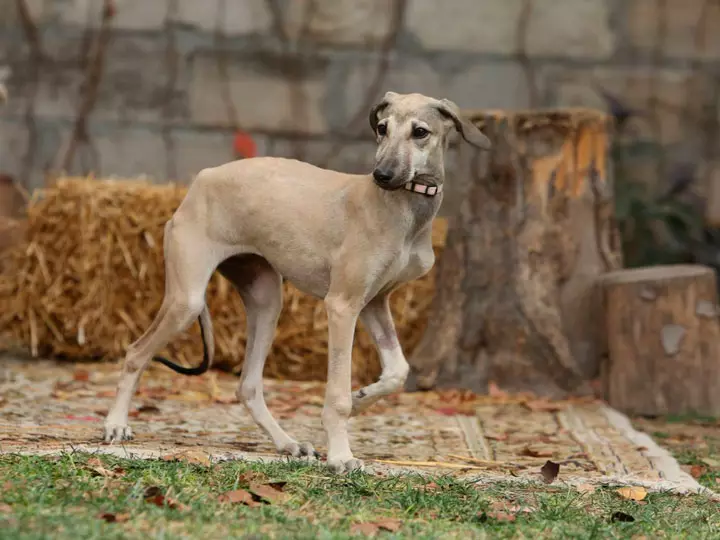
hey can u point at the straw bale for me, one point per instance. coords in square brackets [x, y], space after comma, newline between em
[89, 278]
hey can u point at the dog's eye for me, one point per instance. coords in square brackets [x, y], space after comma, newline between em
[382, 129]
[420, 133]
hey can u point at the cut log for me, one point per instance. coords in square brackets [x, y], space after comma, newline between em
[664, 340]
[515, 294]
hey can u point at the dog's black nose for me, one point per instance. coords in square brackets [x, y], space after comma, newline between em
[382, 176]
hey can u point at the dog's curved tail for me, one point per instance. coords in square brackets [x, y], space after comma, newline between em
[208, 341]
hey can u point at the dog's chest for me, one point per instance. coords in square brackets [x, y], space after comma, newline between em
[414, 264]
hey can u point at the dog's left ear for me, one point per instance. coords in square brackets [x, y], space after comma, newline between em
[468, 131]
[377, 108]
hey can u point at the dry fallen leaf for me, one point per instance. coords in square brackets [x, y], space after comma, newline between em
[368, 529]
[97, 467]
[543, 405]
[371, 528]
[550, 471]
[586, 488]
[501, 516]
[189, 456]
[710, 462]
[696, 471]
[496, 437]
[267, 493]
[81, 375]
[114, 518]
[633, 493]
[154, 495]
[238, 496]
[389, 524]
[494, 391]
[532, 452]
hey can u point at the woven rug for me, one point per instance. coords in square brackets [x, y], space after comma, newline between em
[49, 408]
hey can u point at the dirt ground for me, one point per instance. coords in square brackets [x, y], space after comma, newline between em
[51, 407]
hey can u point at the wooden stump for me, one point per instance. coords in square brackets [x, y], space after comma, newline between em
[664, 340]
[515, 298]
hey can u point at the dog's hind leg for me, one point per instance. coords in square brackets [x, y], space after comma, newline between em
[377, 319]
[260, 288]
[189, 263]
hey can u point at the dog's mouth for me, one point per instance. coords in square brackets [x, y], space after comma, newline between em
[389, 186]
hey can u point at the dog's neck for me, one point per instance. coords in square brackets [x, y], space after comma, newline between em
[419, 208]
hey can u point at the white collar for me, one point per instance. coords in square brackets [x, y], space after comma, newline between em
[430, 191]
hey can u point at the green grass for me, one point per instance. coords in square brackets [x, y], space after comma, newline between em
[63, 498]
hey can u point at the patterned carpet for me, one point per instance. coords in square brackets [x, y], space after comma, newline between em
[49, 407]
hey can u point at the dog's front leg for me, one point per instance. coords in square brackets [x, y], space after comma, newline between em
[377, 319]
[342, 316]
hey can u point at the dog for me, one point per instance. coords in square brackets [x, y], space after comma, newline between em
[348, 239]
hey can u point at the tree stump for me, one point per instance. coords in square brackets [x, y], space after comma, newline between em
[515, 298]
[664, 340]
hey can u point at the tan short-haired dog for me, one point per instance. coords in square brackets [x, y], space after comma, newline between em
[349, 239]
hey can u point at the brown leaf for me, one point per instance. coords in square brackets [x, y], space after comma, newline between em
[494, 391]
[148, 408]
[267, 493]
[586, 488]
[114, 518]
[710, 462]
[550, 471]
[496, 437]
[501, 516]
[532, 452]
[542, 405]
[368, 529]
[189, 456]
[238, 496]
[81, 375]
[389, 524]
[154, 495]
[633, 493]
[96, 466]
[431, 486]
[696, 471]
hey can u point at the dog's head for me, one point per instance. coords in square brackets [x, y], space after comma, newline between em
[412, 134]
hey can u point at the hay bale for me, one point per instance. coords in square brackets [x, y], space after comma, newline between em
[90, 277]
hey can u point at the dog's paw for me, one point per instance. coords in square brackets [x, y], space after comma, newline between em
[340, 466]
[117, 433]
[300, 450]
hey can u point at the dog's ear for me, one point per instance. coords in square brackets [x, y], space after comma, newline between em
[468, 131]
[378, 107]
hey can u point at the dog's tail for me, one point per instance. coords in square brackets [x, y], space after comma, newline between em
[208, 340]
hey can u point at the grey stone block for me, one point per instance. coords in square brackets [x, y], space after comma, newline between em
[488, 26]
[682, 96]
[576, 28]
[690, 28]
[571, 29]
[353, 157]
[240, 17]
[263, 94]
[140, 15]
[195, 150]
[475, 85]
[130, 152]
[341, 22]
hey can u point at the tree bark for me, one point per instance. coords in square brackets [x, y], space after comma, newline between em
[515, 287]
[664, 340]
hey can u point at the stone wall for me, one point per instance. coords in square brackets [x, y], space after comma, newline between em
[160, 87]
